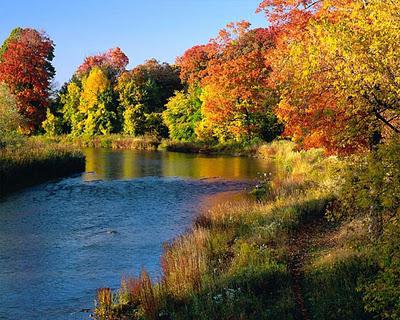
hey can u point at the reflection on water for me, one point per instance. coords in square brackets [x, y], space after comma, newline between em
[128, 164]
[62, 240]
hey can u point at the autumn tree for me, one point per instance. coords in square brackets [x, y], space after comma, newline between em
[97, 104]
[88, 103]
[194, 62]
[10, 119]
[113, 62]
[337, 78]
[25, 67]
[236, 96]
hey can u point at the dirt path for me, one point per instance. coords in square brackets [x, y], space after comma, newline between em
[307, 237]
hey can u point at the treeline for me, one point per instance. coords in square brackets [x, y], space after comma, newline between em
[214, 93]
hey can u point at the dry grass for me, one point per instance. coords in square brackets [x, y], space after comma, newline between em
[232, 265]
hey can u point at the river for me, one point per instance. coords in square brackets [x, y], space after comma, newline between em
[61, 240]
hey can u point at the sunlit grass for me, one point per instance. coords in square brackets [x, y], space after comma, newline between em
[233, 264]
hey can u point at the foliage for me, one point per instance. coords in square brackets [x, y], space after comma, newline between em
[381, 292]
[70, 101]
[25, 66]
[155, 125]
[235, 88]
[335, 68]
[193, 63]
[370, 187]
[96, 112]
[52, 125]
[236, 101]
[183, 114]
[135, 120]
[113, 62]
[150, 84]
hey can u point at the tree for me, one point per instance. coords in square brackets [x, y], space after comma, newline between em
[97, 104]
[338, 79]
[193, 63]
[70, 101]
[10, 119]
[236, 85]
[52, 125]
[25, 66]
[113, 62]
[183, 114]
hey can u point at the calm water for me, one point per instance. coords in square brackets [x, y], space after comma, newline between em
[62, 240]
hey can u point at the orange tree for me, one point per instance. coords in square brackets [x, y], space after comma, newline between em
[335, 68]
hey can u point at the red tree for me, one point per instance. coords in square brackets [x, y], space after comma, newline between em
[113, 61]
[193, 63]
[25, 66]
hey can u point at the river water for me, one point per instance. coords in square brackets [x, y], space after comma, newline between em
[62, 240]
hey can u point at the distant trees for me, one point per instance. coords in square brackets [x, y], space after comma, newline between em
[232, 75]
[26, 69]
[103, 97]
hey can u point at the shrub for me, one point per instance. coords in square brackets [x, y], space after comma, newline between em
[381, 292]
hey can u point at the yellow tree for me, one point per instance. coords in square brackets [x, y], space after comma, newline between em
[339, 79]
[95, 84]
[97, 104]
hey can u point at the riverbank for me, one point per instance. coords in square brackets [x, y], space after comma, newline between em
[232, 149]
[251, 260]
[112, 141]
[28, 161]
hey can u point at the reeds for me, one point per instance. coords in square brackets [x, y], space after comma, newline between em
[31, 161]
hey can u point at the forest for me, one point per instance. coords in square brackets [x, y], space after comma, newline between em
[316, 91]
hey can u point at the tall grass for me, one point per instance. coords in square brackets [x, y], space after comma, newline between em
[113, 141]
[229, 148]
[234, 263]
[24, 162]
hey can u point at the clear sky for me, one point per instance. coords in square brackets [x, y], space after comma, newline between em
[143, 29]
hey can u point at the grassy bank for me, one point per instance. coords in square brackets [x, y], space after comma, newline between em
[242, 260]
[113, 141]
[231, 148]
[25, 162]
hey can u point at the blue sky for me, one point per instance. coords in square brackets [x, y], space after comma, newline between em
[143, 29]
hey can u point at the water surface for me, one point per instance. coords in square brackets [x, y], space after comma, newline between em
[62, 240]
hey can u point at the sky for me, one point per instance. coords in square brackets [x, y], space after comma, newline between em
[143, 29]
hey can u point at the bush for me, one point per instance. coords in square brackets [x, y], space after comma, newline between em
[382, 292]
[371, 187]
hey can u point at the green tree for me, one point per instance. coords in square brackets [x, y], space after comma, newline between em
[52, 125]
[183, 114]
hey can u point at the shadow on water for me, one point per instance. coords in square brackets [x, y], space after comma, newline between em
[62, 240]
